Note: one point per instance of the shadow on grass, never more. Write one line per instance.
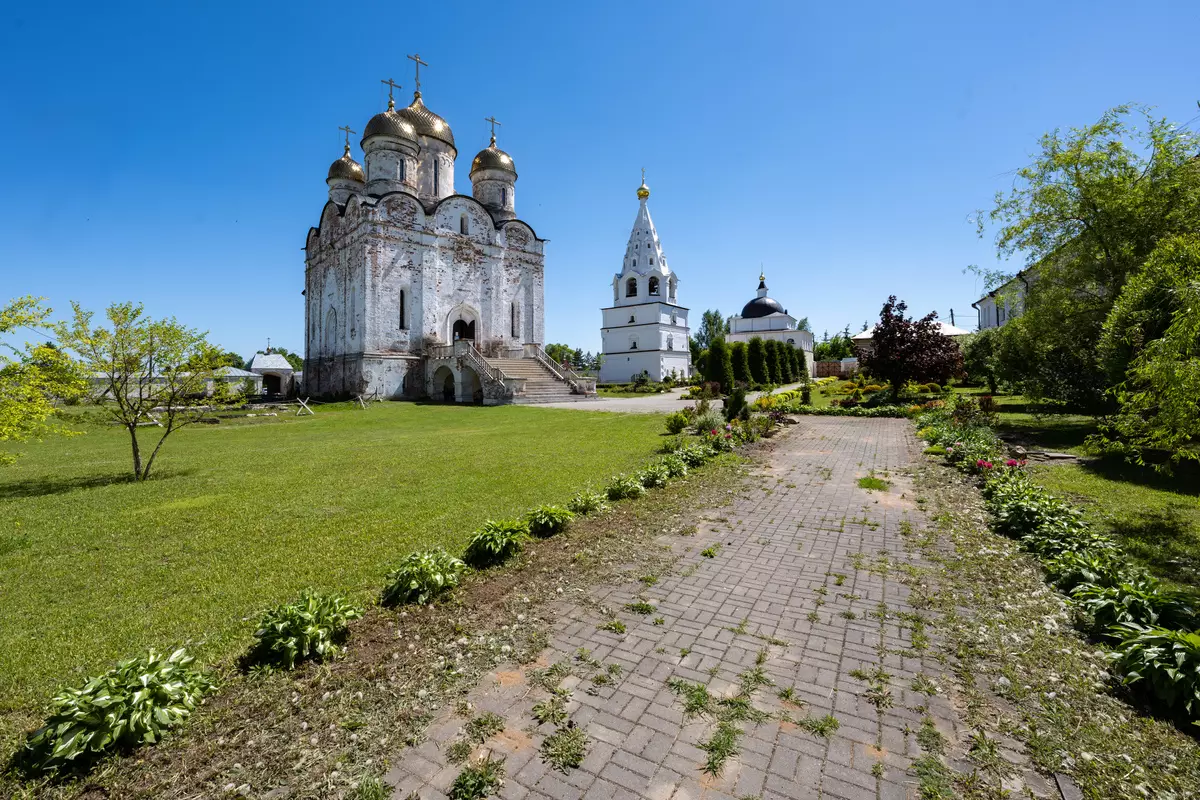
(48, 484)
(1184, 480)
(1165, 541)
(1045, 433)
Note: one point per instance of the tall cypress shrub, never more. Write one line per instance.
(785, 362)
(720, 365)
(757, 353)
(739, 354)
(801, 364)
(774, 362)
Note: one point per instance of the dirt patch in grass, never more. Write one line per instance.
(318, 731)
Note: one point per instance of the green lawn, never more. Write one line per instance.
(244, 515)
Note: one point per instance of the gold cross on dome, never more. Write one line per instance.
(346, 128)
(492, 119)
(418, 63)
(392, 86)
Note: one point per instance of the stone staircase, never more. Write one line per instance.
(541, 385)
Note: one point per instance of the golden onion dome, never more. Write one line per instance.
(346, 168)
(492, 157)
(643, 191)
(390, 123)
(427, 123)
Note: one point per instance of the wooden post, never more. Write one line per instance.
(304, 407)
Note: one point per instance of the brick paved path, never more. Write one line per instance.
(772, 590)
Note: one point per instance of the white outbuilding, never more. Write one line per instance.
(765, 318)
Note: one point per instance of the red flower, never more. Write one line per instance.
(1012, 462)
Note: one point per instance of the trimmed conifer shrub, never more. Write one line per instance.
(739, 354)
(757, 352)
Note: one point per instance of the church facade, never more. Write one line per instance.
(645, 329)
(413, 290)
(765, 318)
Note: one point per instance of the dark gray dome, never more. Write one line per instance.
(492, 157)
(761, 307)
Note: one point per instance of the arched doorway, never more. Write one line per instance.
(272, 384)
(443, 384)
(463, 329)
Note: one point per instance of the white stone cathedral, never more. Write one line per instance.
(645, 329)
(412, 290)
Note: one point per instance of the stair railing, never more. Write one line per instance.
(578, 383)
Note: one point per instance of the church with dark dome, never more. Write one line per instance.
(766, 318)
(414, 290)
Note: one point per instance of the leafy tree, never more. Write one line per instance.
(757, 352)
(904, 350)
(802, 325)
(231, 359)
(142, 365)
(719, 366)
(1154, 327)
(1087, 214)
(833, 349)
(739, 354)
(712, 326)
(979, 358)
(559, 353)
(32, 378)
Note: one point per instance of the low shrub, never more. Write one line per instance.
(496, 542)
(311, 627)
(675, 465)
(1074, 567)
(622, 487)
(422, 576)
(1141, 600)
(137, 702)
(654, 476)
(1167, 661)
(694, 455)
(677, 421)
(587, 502)
(546, 521)
(709, 420)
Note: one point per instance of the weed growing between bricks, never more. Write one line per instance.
(1023, 676)
(323, 729)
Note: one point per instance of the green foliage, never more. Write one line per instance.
(720, 747)
(1139, 600)
(546, 521)
(1165, 662)
(552, 710)
(1071, 568)
(735, 404)
(677, 421)
(695, 696)
(694, 455)
(756, 352)
(980, 359)
(623, 487)
(1087, 213)
(310, 627)
(739, 356)
(32, 379)
(675, 466)
(834, 348)
(1151, 348)
(478, 780)
(654, 476)
(135, 703)
(613, 625)
(711, 551)
(479, 729)
(422, 576)
(139, 365)
(371, 788)
(565, 748)
(496, 542)
(824, 726)
(719, 367)
(712, 326)
(587, 502)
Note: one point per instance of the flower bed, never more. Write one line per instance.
(1149, 627)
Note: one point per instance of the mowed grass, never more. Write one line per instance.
(94, 568)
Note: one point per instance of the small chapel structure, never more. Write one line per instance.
(645, 329)
(413, 290)
(765, 318)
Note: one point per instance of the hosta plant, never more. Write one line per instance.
(1071, 568)
(548, 520)
(135, 703)
(675, 466)
(1063, 536)
(587, 502)
(625, 486)
(311, 627)
(654, 476)
(694, 455)
(422, 576)
(496, 542)
(1140, 600)
(1165, 662)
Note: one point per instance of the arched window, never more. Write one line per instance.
(670, 342)
(400, 170)
(632, 319)
(403, 318)
(671, 287)
(631, 286)
(353, 312)
(437, 175)
(504, 196)
(462, 224)
(512, 312)
(635, 262)
(633, 343)
(652, 262)
(653, 286)
(792, 342)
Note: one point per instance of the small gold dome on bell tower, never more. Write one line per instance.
(643, 191)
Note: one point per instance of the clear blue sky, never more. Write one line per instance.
(175, 153)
